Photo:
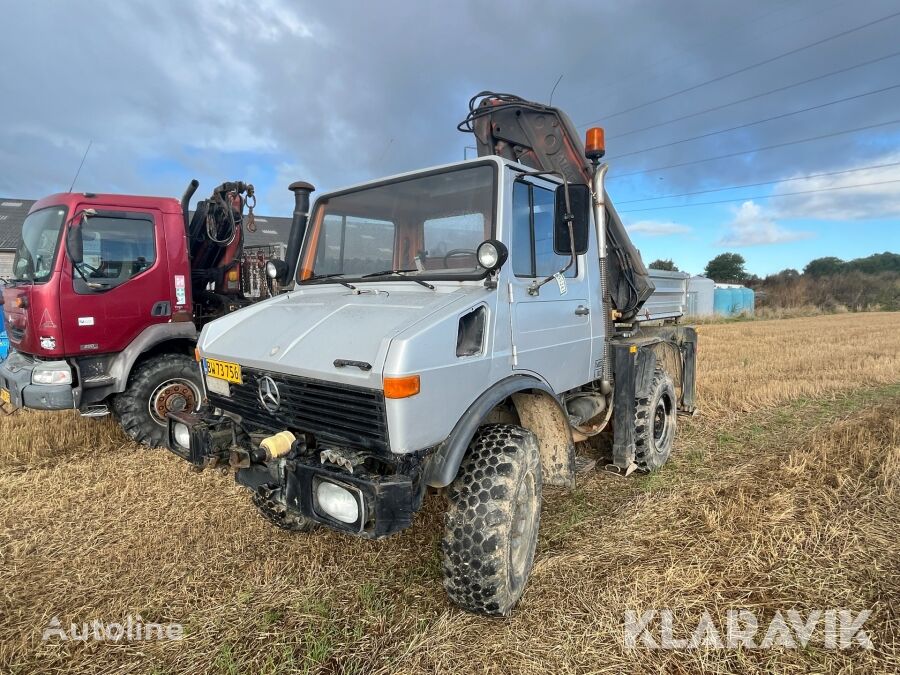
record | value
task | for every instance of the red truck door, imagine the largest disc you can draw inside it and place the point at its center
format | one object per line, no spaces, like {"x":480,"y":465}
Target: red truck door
{"x":125,"y":285}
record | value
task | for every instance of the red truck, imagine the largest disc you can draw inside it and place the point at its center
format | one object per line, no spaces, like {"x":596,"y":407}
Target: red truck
{"x":110,"y":293}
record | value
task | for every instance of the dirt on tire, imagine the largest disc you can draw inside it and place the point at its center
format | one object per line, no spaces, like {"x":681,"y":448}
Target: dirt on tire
{"x":485,"y":567}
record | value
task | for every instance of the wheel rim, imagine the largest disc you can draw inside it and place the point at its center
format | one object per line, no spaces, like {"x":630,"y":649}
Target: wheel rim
{"x":175,"y":395}
{"x":662,"y":421}
{"x":522,"y":532}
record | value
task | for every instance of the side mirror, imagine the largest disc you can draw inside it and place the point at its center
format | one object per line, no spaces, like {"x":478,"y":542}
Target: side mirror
{"x":75,"y":243}
{"x":491,"y":254}
{"x":580,"y":204}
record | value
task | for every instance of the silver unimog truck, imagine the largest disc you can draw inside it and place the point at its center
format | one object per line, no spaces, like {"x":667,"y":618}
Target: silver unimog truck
{"x":459,"y":328}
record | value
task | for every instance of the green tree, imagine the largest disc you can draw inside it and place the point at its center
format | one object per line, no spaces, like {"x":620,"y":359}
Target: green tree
{"x":824,"y":267}
{"x":666,"y":265}
{"x":727,"y":268}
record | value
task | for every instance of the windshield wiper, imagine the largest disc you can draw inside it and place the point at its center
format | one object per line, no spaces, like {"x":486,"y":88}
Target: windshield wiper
{"x":398,"y":273}
{"x":319,"y":277}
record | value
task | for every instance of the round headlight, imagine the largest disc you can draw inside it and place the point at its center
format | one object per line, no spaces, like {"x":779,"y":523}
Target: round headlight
{"x":182,"y":435}
{"x":271,"y":270}
{"x":491,"y":254}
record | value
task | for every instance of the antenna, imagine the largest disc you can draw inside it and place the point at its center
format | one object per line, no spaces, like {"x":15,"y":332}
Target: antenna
{"x":84,"y":157}
{"x":553,"y":91}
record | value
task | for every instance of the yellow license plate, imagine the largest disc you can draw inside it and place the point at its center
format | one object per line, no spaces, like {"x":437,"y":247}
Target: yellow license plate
{"x":224,"y":370}
{"x":4,"y":396}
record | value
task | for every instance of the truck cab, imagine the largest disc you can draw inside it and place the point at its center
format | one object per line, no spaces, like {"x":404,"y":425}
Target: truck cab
{"x":455,"y":334}
{"x":108,"y":296}
{"x":66,"y":327}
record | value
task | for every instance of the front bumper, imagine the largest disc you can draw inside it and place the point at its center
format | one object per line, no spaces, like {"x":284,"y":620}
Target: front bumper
{"x":15,"y":377}
{"x":386,"y":499}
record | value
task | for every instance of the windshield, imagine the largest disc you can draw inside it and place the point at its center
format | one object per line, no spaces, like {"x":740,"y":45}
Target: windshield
{"x":427,"y":226}
{"x":40,"y":234}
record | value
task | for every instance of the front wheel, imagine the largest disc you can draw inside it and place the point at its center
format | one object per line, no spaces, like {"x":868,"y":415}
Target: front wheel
{"x":491,"y":527}
{"x":160,"y":385}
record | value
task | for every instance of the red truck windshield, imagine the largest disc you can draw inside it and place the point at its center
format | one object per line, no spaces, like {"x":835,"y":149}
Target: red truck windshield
{"x":40,"y":237}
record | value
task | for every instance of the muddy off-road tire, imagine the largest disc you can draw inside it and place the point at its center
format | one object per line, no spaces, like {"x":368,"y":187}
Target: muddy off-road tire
{"x":280,"y":517}
{"x":656,"y":414}
{"x":491,"y":526}
{"x":161,"y":384}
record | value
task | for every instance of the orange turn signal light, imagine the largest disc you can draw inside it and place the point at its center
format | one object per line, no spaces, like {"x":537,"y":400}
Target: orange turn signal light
{"x":197,"y":354}
{"x":233,"y":274}
{"x":594,"y":143}
{"x":401,"y":387}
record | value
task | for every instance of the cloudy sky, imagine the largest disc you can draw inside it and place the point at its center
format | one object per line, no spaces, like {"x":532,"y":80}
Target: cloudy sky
{"x":806,"y":94}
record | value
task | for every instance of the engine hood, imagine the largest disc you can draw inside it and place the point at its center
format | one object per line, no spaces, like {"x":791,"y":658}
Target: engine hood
{"x":303,"y":332}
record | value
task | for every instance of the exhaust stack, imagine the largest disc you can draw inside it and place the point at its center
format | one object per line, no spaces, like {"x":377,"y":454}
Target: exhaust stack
{"x":299,"y":220}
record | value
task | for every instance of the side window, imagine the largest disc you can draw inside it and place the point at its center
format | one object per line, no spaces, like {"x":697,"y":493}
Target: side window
{"x":533,"y":255}
{"x":358,"y":244}
{"x":522,"y":247}
{"x":115,"y":250}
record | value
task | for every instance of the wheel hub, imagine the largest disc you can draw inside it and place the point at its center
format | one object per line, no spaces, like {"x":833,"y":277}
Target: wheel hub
{"x":172,"y":396}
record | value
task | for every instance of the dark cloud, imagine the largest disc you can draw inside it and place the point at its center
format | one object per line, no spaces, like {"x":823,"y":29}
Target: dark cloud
{"x":337,"y":93}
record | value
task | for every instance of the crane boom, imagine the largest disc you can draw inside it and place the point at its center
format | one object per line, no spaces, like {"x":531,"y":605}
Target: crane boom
{"x":543,"y":138}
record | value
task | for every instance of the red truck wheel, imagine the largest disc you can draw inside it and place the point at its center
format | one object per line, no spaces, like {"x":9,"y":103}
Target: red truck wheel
{"x":160,"y":385}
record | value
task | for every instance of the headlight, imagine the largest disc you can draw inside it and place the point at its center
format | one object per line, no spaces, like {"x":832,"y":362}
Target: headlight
{"x":271,"y":270}
{"x":182,"y":435}
{"x":337,"y":502}
{"x":57,"y":372}
{"x":491,"y":254}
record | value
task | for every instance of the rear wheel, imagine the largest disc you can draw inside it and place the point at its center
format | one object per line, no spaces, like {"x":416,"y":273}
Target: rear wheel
{"x":160,"y":385}
{"x":491,"y":527}
{"x":655,"y":419}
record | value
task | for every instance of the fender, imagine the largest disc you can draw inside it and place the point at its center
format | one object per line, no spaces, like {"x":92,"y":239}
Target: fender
{"x":443,"y":464}
{"x":120,"y":368}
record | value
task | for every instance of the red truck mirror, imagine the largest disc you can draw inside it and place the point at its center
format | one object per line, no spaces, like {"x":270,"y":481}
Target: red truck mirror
{"x":74,"y":242}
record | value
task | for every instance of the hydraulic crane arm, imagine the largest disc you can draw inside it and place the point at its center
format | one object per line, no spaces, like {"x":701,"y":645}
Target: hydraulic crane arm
{"x":544,"y":138}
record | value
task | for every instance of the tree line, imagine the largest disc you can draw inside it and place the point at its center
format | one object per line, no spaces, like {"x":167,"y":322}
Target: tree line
{"x":828,"y":284}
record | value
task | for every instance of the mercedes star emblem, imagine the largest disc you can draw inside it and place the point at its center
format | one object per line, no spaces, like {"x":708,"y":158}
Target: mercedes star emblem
{"x":268,"y":394}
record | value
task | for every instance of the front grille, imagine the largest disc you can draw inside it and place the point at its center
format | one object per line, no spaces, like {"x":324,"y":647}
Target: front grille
{"x":331,"y":411}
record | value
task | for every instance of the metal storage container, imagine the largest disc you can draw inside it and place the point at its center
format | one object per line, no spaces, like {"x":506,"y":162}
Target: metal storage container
{"x":700,"y":294}
{"x":748,"y":300}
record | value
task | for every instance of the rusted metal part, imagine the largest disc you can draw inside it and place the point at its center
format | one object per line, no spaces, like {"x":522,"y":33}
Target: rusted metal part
{"x":542,"y":415}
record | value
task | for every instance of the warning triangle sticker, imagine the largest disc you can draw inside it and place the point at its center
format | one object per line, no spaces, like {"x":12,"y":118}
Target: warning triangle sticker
{"x":46,"y":321}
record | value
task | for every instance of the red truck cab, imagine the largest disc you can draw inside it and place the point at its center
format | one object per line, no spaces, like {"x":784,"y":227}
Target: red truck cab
{"x":110,"y":293}
{"x":76,"y":335}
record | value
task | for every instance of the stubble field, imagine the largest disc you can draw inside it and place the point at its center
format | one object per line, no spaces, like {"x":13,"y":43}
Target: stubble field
{"x":783,"y":494}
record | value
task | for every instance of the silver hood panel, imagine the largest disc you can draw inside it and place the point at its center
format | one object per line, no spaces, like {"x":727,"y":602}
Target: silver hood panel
{"x":303,"y":332}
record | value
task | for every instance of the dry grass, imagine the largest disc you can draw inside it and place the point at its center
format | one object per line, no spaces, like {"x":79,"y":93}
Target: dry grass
{"x":794,"y":505}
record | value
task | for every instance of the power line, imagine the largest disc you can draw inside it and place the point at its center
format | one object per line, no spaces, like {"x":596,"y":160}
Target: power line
{"x":766,"y":119}
{"x":745,"y":199}
{"x":764,"y":62}
{"x":759,"y":149}
{"x":765,"y":182}
{"x":760,"y":95}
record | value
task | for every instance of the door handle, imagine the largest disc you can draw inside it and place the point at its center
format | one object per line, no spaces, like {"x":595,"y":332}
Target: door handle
{"x":582,"y":311}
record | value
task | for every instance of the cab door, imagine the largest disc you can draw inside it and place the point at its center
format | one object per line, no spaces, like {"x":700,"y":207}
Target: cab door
{"x":125,"y":283}
{"x":551,"y":331}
